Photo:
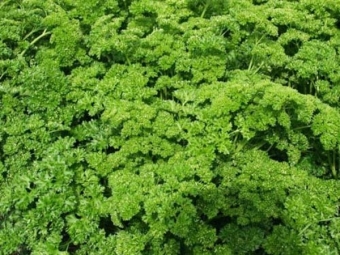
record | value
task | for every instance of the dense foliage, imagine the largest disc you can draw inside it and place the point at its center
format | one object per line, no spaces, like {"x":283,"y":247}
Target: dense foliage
{"x":169,"y":127}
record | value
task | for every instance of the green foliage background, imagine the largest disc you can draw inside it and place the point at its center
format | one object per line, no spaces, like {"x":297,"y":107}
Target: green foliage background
{"x":169,"y":127}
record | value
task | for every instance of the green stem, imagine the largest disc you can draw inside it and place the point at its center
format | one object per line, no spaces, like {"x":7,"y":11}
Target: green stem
{"x":331,"y":162}
{"x":128,"y":60}
{"x":339,"y":157}
{"x":205,"y":9}
{"x":334,"y":165}
{"x":3,"y":74}
{"x":241,"y":145}
{"x":3,"y":4}
{"x":30,"y":33}
{"x":311,"y":88}
{"x":44,"y":33}
{"x":250,"y":64}
{"x":303,"y":127}
{"x":258,"y":69}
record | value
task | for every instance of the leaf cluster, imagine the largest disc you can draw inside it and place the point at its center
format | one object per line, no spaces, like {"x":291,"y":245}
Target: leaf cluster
{"x":169,"y":127}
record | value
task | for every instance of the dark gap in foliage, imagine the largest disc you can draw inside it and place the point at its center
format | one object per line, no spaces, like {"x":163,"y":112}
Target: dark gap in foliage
{"x":170,"y":71}
{"x":195,"y":27}
{"x":192,"y":117}
{"x":337,"y":23}
{"x":195,"y":6}
{"x":135,"y":221}
{"x":81,"y":144}
{"x":4,"y":76}
{"x":278,"y":155}
{"x":318,"y":162}
{"x":226,"y":33}
{"x":30,"y":56}
{"x":152,"y":80}
{"x":33,"y":204}
{"x":249,"y":27}
{"x":185,"y":75}
{"x":276,"y":74}
{"x":183,"y":248}
{"x":222,"y":79}
{"x":30,"y":187}
{"x":67,"y":244}
{"x":61,"y":134}
{"x":324,"y":223}
{"x":100,"y":75}
{"x":292,"y":47}
{"x":282,"y":29}
{"x":67,"y":6}
{"x":123,"y":26}
{"x":324,"y":37}
{"x":197,"y":178}
{"x":219,"y":222}
{"x":203,"y":217}
{"x":168,"y":236}
{"x":106,"y":224}
{"x":22,"y":250}
{"x":259,"y":2}
{"x":112,"y":57}
{"x":304,"y":86}
{"x":85,"y":116}
{"x":183,"y":20}
{"x":205,"y":103}
{"x":183,"y":142}
{"x":275,"y":222}
{"x":139,"y":158}
{"x":4,"y":175}
{"x":79,"y":18}
{"x":167,"y":94}
{"x":124,"y":4}
{"x":33,"y":155}
{"x":85,"y":28}
{"x":260,"y":251}
{"x":272,"y":37}
{"x":107,"y":60}
{"x":111,"y":150}
{"x":217,"y":180}
{"x":111,"y":10}
{"x":10,"y":43}
{"x":107,"y":190}
{"x":67,"y":70}
{"x":153,"y":157}
{"x":149,"y":14}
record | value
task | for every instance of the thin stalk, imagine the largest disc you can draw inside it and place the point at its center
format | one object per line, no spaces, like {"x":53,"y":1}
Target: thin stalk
{"x":262,"y":144}
{"x":3,"y":4}
{"x":257,"y":41}
{"x":311,"y":88}
{"x":258,"y":69}
{"x":250,"y":64}
{"x":127,"y":59}
{"x":30,"y":33}
{"x":303,"y":127}
{"x":331,"y":162}
{"x":339,"y":158}
{"x":241,"y":145}
{"x":205,"y":9}
{"x":3,"y":74}
{"x":271,"y":146}
{"x":334,"y":164}
{"x":289,"y":84}
{"x":44,"y":33}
